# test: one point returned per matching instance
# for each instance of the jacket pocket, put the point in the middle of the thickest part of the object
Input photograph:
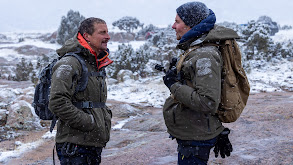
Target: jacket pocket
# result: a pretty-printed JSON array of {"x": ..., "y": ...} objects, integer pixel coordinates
[
  {"x": 97, "y": 135},
  {"x": 108, "y": 117},
  {"x": 169, "y": 111}
]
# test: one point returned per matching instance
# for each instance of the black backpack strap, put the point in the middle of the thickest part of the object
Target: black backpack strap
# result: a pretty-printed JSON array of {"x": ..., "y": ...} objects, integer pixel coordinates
[
  {"x": 46, "y": 74},
  {"x": 82, "y": 83},
  {"x": 89, "y": 104},
  {"x": 54, "y": 154},
  {"x": 53, "y": 123},
  {"x": 101, "y": 73}
]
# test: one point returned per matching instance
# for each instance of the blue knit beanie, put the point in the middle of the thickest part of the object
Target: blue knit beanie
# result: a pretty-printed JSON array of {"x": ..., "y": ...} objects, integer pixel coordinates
[{"x": 192, "y": 13}]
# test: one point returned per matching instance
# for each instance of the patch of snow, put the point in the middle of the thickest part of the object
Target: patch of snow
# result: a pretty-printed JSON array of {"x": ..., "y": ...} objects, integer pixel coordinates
[
  {"x": 49, "y": 135},
  {"x": 122, "y": 123},
  {"x": 18, "y": 143},
  {"x": 5, "y": 155},
  {"x": 248, "y": 156},
  {"x": 167, "y": 159},
  {"x": 283, "y": 36},
  {"x": 113, "y": 46},
  {"x": 149, "y": 91}
]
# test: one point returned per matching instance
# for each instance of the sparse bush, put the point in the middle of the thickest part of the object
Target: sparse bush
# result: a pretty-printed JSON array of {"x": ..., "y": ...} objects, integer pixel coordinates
[
  {"x": 126, "y": 58},
  {"x": 286, "y": 27},
  {"x": 147, "y": 31},
  {"x": 23, "y": 70},
  {"x": 20, "y": 39},
  {"x": 69, "y": 26},
  {"x": 259, "y": 45},
  {"x": 127, "y": 23}
]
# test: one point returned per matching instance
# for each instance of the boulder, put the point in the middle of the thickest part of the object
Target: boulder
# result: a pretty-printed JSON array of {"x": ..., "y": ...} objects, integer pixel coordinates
[
  {"x": 147, "y": 122},
  {"x": 124, "y": 75},
  {"x": 111, "y": 81},
  {"x": 21, "y": 116},
  {"x": 123, "y": 110},
  {"x": 3, "y": 117}
]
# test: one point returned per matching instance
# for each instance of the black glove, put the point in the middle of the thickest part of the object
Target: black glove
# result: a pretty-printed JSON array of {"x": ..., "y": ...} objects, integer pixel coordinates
[
  {"x": 223, "y": 144},
  {"x": 170, "y": 78}
]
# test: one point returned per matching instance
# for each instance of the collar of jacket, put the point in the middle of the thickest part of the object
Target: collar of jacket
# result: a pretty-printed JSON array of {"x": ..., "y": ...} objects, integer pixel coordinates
[
  {"x": 83, "y": 43},
  {"x": 197, "y": 31}
]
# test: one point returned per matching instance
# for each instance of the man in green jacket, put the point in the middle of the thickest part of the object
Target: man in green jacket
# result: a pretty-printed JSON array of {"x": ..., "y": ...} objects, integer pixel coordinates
[
  {"x": 190, "y": 111},
  {"x": 84, "y": 121}
]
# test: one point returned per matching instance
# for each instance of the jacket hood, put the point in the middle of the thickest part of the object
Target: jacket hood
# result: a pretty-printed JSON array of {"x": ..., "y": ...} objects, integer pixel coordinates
[
  {"x": 217, "y": 34},
  {"x": 71, "y": 45}
]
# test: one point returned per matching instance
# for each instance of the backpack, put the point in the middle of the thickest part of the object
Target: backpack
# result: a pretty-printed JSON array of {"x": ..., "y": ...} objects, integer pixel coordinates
[
  {"x": 42, "y": 90},
  {"x": 235, "y": 87}
]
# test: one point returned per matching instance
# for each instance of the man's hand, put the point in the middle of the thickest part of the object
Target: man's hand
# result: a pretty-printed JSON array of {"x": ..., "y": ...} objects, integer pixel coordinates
[
  {"x": 223, "y": 144},
  {"x": 170, "y": 78}
]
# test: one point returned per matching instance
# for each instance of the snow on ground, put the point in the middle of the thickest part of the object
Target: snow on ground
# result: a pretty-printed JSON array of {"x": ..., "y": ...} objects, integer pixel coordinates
[
  {"x": 122, "y": 123},
  {"x": 275, "y": 77},
  {"x": 113, "y": 46},
  {"x": 13, "y": 41},
  {"x": 149, "y": 91},
  {"x": 9, "y": 54},
  {"x": 13, "y": 56},
  {"x": 29, "y": 39},
  {"x": 283, "y": 35},
  {"x": 24, "y": 147},
  {"x": 34, "y": 42}
]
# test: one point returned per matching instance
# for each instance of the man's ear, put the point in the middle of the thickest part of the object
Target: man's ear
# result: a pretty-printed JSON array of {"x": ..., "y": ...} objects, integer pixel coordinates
[{"x": 86, "y": 36}]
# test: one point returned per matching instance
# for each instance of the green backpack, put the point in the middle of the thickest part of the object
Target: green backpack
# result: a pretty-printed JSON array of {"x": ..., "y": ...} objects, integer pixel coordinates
[{"x": 235, "y": 86}]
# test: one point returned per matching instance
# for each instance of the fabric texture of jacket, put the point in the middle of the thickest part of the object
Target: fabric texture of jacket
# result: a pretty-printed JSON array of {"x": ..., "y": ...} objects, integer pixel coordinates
[
  {"x": 88, "y": 127},
  {"x": 191, "y": 115}
]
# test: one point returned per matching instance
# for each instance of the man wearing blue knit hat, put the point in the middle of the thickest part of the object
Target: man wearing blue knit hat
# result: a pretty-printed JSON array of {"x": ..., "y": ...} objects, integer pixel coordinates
[{"x": 190, "y": 111}]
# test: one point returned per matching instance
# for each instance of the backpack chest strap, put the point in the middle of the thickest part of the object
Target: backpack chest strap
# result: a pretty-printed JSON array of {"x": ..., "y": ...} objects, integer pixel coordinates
[
  {"x": 97, "y": 74},
  {"x": 89, "y": 104}
]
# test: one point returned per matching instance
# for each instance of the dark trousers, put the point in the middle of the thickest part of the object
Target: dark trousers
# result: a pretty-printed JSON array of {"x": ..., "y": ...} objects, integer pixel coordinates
[
  {"x": 72, "y": 154},
  {"x": 194, "y": 152}
]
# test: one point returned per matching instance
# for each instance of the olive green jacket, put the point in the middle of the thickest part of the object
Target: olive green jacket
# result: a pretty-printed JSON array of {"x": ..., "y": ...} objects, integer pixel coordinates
[
  {"x": 191, "y": 115},
  {"x": 89, "y": 127}
]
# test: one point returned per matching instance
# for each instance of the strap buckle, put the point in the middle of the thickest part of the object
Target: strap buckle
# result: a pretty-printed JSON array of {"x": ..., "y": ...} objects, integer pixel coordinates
[{"x": 87, "y": 104}]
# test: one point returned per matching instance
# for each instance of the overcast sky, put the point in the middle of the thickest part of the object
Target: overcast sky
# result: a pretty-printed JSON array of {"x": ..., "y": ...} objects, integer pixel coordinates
[{"x": 45, "y": 15}]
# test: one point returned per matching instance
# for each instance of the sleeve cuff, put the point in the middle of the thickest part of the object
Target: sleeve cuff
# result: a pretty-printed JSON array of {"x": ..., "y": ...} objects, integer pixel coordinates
[{"x": 174, "y": 87}]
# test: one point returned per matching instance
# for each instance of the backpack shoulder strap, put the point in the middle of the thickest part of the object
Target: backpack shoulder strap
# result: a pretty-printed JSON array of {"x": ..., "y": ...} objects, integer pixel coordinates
[
  {"x": 181, "y": 60},
  {"x": 82, "y": 83},
  {"x": 183, "y": 56}
]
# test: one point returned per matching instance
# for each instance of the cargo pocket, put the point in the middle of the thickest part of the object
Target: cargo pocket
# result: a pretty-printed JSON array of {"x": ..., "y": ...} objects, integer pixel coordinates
[
  {"x": 169, "y": 110},
  {"x": 108, "y": 117}
]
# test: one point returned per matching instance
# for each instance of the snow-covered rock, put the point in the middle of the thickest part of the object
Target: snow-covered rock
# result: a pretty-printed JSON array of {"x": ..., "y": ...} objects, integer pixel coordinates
[
  {"x": 3, "y": 117},
  {"x": 21, "y": 116}
]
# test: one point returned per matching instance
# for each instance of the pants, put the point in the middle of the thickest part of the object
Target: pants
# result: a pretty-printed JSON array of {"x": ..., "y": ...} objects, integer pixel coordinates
[
  {"x": 72, "y": 154},
  {"x": 194, "y": 152}
]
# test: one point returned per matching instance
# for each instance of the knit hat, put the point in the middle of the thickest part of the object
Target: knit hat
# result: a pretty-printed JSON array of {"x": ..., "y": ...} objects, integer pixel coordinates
[{"x": 192, "y": 13}]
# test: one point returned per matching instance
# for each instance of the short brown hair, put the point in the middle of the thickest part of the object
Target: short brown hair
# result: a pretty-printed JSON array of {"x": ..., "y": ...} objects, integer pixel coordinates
[{"x": 87, "y": 25}]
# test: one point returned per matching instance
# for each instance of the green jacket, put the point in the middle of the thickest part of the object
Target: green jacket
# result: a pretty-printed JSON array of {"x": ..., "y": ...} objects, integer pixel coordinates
[
  {"x": 89, "y": 127},
  {"x": 192, "y": 114}
]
